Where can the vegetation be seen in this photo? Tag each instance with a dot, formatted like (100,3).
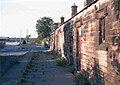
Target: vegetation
(44,26)
(82,78)
(52,53)
(32,40)
(71,69)
(2,45)
(60,61)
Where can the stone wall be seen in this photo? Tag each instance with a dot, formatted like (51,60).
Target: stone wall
(92,38)
(52,40)
(6,62)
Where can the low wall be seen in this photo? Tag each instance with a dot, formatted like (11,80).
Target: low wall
(6,62)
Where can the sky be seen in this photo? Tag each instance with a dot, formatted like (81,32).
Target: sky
(18,16)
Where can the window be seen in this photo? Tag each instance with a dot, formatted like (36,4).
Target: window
(101,30)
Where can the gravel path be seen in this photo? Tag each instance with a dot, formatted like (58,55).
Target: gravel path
(43,71)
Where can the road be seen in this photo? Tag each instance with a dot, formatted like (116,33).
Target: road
(13,48)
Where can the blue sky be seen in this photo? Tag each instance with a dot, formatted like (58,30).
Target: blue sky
(16,15)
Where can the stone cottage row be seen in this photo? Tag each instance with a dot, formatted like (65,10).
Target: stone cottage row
(90,40)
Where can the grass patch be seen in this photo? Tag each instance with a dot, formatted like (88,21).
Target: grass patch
(82,78)
(52,53)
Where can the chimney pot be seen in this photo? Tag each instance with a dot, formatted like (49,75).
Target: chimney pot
(62,20)
(74,10)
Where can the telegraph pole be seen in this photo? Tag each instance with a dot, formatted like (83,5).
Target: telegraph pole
(26,35)
(20,35)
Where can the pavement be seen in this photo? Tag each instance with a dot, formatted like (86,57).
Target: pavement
(43,71)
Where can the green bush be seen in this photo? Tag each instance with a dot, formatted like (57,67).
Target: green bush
(82,78)
(61,62)
(71,69)
(2,45)
(52,53)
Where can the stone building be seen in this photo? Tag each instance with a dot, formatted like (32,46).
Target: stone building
(90,40)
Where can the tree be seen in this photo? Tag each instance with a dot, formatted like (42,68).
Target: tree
(44,27)
(54,26)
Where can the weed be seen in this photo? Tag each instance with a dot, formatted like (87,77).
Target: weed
(60,61)
(71,69)
(82,78)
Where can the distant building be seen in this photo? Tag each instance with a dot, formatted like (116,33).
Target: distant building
(3,41)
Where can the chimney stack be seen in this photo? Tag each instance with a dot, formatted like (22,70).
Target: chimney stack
(62,20)
(74,10)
